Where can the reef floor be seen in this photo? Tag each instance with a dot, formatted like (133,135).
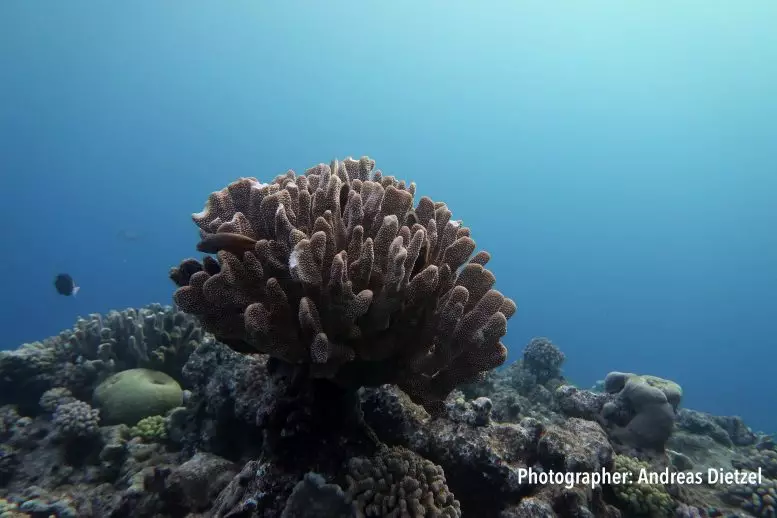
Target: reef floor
(139,413)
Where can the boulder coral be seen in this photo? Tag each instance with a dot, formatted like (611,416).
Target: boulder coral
(129,396)
(644,411)
(337,271)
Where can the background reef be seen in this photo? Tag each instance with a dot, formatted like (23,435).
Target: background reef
(249,439)
(336,358)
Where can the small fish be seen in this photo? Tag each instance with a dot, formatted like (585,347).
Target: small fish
(236,244)
(65,285)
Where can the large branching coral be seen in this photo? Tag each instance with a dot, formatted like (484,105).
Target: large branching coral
(336,270)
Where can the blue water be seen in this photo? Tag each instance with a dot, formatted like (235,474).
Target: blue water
(618,160)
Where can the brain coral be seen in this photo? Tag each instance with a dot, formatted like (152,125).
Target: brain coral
(335,269)
(129,396)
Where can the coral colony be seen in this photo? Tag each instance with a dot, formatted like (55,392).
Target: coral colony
(333,354)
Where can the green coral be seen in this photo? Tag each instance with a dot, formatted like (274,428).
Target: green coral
(129,396)
(398,483)
(640,498)
(150,429)
(8,509)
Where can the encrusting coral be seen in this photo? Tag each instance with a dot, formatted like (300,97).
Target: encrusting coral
(335,269)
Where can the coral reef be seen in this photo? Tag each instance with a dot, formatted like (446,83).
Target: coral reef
(312,497)
(150,429)
(641,498)
(240,446)
(643,413)
(348,374)
(761,500)
(396,482)
(156,337)
(8,509)
(76,420)
(52,398)
(129,396)
(543,360)
(336,270)
(525,386)
(638,412)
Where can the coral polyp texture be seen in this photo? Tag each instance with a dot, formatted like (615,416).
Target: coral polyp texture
(338,270)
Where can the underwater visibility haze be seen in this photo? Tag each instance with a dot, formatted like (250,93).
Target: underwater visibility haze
(616,160)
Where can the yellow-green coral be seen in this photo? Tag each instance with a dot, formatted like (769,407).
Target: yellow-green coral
(641,499)
(129,396)
(8,509)
(150,429)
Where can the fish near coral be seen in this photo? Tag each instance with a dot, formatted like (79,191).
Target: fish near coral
(337,272)
(236,244)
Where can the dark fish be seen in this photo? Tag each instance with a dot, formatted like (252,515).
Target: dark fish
(236,244)
(65,285)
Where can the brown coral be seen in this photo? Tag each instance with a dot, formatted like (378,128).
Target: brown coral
(335,269)
(398,483)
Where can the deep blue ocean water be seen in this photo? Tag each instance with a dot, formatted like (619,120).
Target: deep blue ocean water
(619,160)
